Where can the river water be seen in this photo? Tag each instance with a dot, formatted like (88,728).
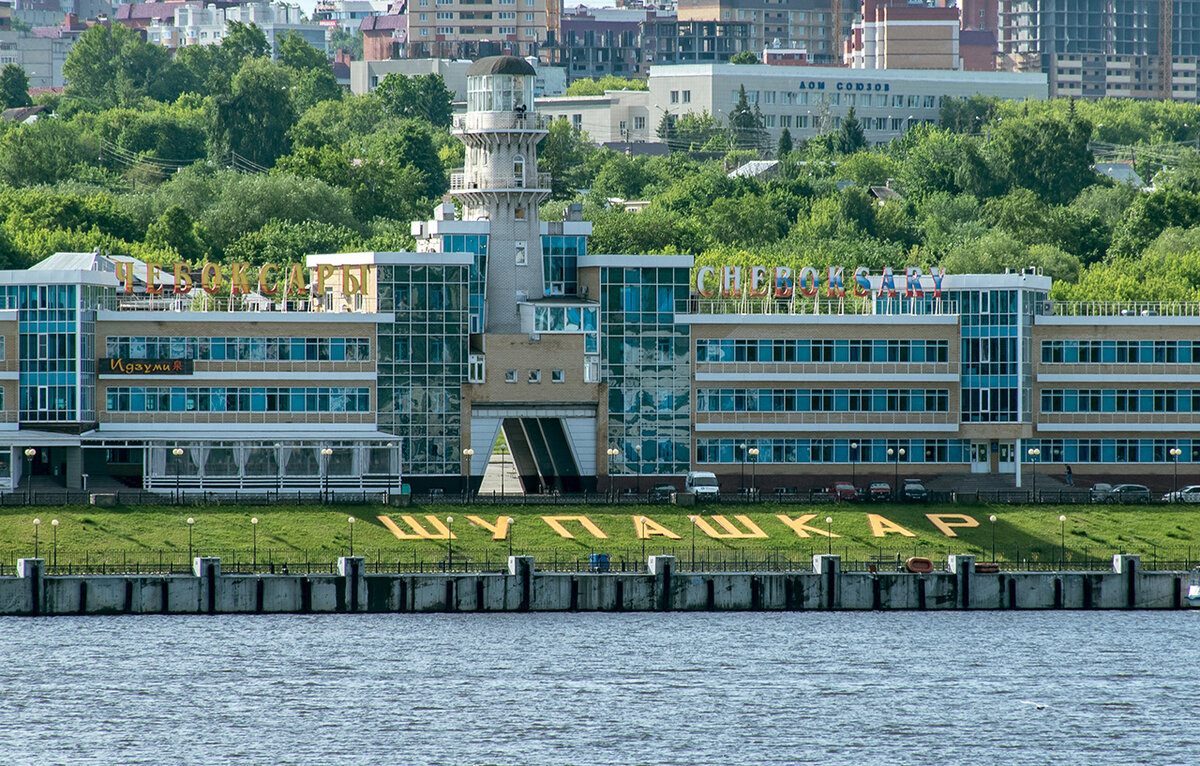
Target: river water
(757,688)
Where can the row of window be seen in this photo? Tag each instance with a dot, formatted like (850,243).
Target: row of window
(731,451)
(805,350)
(1120,400)
(822,400)
(1120,352)
(834,98)
(1113,450)
(240,349)
(237,399)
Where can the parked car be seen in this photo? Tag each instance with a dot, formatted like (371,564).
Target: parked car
(914,491)
(1188,494)
(662,492)
(879,492)
(1130,493)
(1121,493)
(703,484)
(844,490)
(1100,492)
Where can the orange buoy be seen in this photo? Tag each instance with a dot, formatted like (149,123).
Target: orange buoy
(918,564)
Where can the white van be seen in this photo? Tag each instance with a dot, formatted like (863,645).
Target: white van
(703,484)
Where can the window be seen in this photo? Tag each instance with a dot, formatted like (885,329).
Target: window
(687,97)
(519,173)
(445,15)
(557,376)
(529,17)
(674,97)
(507,15)
(522,256)
(510,376)
(639,123)
(535,376)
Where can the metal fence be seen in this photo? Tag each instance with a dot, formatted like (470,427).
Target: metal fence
(440,558)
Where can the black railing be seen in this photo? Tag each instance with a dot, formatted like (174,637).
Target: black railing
(432,559)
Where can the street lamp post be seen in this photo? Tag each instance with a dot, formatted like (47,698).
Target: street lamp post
(350,520)
(612,459)
(753,471)
(450,542)
(325,453)
(898,453)
(54,531)
(642,520)
(191,523)
(29,453)
(509,535)
(1175,453)
(1033,457)
(278,469)
(1062,541)
(829,533)
(853,464)
(742,450)
(637,450)
(178,453)
(503,450)
(36,523)
(692,518)
(992,519)
(468,453)
(254,542)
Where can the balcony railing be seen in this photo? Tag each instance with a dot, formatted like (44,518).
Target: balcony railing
(501,121)
(490,181)
(799,306)
(1119,308)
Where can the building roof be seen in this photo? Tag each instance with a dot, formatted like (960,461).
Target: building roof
(501,65)
(884,193)
(1121,172)
(755,168)
(150,11)
(388,23)
(23,113)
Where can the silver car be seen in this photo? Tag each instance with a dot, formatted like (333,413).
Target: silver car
(1188,494)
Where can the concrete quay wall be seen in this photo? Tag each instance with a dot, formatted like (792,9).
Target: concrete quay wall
(522,588)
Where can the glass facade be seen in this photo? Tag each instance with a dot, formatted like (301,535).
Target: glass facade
(997,379)
(1113,450)
(875,451)
(560,258)
(806,350)
(646,363)
(57,376)
(822,400)
(1120,352)
(236,399)
(239,349)
(476,245)
(422,363)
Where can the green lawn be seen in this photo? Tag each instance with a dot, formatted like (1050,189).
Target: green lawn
(321,533)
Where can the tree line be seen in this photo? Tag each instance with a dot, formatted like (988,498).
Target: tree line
(237,151)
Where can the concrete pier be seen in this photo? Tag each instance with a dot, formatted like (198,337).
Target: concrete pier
(522,588)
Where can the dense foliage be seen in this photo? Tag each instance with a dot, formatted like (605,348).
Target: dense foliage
(225,152)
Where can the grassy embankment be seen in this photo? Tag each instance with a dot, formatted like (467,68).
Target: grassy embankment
(154,534)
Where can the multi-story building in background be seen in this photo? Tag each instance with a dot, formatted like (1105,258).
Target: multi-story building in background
(42,50)
(1133,49)
(807,24)
(809,100)
(197,24)
(467,29)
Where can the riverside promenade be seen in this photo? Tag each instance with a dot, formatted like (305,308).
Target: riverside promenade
(522,588)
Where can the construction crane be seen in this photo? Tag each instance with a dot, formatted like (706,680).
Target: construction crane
(1166,35)
(835,10)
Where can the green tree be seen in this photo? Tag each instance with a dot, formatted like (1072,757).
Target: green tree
(967,115)
(297,53)
(849,138)
(938,161)
(314,86)
(588,87)
(1150,215)
(254,120)
(211,68)
(175,230)
(785,143)
(14,87)
(746,123)
(113,65)
(744,57)
(351,42)
(424,97)
(45,152)
(563,154)
(288,242)
(339,122)
(1047,155)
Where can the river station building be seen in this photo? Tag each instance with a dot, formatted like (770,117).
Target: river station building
(354,369)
